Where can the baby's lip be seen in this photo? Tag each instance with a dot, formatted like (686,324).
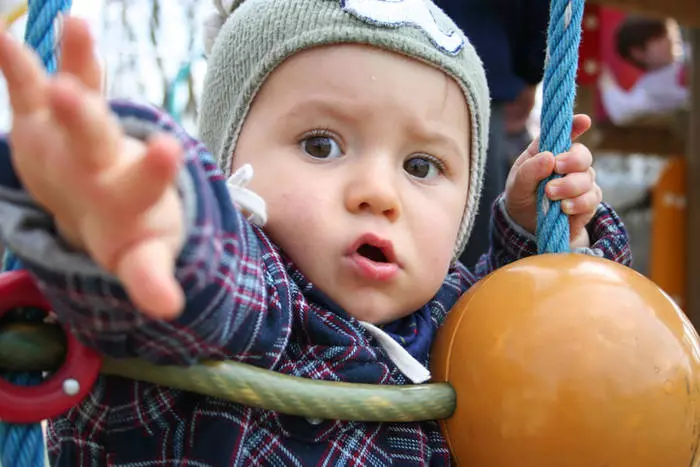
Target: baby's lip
(374,240)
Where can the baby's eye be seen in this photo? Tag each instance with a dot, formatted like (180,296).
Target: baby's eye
(321,147)
(423,167)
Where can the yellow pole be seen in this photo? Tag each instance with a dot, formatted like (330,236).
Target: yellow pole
(14,14)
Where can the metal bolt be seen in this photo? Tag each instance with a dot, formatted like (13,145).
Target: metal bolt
(71,387)
(590,67)
(591,22)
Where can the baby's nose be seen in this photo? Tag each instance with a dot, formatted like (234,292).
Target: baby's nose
(374,191)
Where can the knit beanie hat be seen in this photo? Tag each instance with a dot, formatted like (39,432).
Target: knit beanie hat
(247,40)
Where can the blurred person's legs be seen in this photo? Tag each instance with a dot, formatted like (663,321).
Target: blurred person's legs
(518,115)
(514,144)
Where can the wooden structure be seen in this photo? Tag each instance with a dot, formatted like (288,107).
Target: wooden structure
(693,189)
(686,12)
(662,140)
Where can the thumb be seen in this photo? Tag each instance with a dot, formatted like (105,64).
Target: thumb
(529,174)
(581,124)
(147,272)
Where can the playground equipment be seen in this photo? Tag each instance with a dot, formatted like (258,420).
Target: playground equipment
(685,11)
(581,363)
(591,336)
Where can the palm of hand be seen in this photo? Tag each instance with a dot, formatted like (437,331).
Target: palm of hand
(111,196)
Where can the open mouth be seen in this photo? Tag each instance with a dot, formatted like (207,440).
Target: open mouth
(372,253)
(373,258)
(374,248)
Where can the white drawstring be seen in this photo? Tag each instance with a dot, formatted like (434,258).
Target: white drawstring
(404,361)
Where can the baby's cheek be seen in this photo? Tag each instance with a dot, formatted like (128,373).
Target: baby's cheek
(295,224)
(299,212)
(436,242)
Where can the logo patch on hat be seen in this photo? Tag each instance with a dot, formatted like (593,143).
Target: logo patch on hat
(415,13)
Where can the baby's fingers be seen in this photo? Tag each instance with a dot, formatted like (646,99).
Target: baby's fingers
(147,272)
(530,173)
(578,159)
(571,185)
(134,188)
(88,122)
(24,74)
(586,203)
(77,54)
(580,125)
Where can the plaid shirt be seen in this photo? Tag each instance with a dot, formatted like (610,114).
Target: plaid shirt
(246,302)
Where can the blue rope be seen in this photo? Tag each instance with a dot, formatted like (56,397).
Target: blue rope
(23,445)
(172,105)
(40,33)
(559,93)
(172,102)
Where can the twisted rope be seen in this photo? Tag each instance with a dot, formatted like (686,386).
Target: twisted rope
(41,346)
(559,93)
(41,33)
(23,445)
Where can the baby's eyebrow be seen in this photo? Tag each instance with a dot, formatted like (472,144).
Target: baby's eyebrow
(336,109)
(436,137)
(345,111)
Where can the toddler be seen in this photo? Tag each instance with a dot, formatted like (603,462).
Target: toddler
(365,123)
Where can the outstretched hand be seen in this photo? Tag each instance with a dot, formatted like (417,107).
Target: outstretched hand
(576,189)
(111,196)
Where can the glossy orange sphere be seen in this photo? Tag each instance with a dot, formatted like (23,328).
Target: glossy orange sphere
(570,361)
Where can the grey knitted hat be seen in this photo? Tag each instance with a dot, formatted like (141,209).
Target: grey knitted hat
(248,40)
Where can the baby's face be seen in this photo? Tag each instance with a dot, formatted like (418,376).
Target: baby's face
(362,157)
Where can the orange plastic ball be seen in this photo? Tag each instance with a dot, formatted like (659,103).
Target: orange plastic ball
(570,361)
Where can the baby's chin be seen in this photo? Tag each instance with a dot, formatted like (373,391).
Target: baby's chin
(380,311)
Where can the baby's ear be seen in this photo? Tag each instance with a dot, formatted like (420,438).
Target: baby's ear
(216,20)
